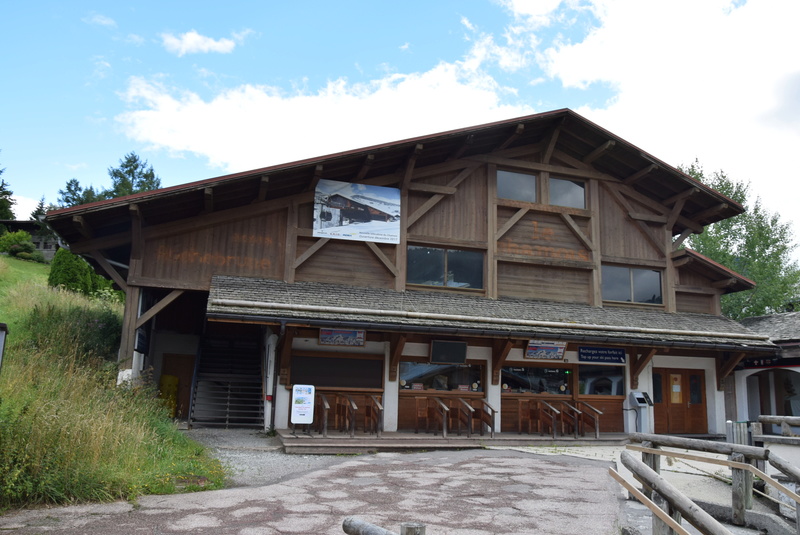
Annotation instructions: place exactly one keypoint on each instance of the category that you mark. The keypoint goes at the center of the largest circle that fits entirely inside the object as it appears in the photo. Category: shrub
(14, 243)
(71, 272)
(35, 256)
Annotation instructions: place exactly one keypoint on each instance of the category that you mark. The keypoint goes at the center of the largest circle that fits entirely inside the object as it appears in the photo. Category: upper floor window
(525, 187)
(570, 193)
(516, 186)
(454, 268)
(631, 285)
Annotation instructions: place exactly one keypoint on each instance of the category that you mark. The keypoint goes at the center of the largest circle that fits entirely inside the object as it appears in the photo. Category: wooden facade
(622, 209)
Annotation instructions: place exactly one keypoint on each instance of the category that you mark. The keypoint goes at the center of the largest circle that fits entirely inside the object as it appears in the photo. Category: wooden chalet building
(536, 264)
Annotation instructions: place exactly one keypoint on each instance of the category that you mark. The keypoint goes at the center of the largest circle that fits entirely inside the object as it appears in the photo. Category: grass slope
(67, 433)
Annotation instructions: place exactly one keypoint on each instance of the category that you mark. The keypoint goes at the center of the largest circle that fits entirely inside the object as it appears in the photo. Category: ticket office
(523, 383)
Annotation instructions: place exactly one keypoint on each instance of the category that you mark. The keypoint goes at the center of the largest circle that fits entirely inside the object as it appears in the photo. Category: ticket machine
(640, 402)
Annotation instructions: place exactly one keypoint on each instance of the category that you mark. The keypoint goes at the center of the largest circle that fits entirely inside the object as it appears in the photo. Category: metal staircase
(227, 383)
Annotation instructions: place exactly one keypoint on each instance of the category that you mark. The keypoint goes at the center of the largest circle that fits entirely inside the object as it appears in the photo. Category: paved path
(473, 492)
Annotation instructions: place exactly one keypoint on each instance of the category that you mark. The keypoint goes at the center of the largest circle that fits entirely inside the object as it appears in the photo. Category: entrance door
(679, 401)
(182, 367)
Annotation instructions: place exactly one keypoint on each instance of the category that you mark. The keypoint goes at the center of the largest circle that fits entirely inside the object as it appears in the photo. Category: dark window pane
(646, 286)
(464, 269)
(516, 186)
(441, 376)
(695, 390)
(567, 193)
(658, 393)
(425, 266)
(536, 380)
(601, 380)
(616, 283)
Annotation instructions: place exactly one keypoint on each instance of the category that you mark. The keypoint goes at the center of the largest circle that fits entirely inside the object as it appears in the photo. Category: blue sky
(202, 89)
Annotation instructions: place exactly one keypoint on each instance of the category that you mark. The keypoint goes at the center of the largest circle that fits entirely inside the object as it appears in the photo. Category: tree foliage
(132, 176)
(6, 199)
(756, 244)
(71, 272)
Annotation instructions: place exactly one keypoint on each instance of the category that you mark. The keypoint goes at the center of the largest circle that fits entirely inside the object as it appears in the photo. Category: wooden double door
(679, 401)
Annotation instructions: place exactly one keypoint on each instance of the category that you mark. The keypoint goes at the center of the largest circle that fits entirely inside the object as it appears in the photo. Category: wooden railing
(346, 410)
(570, 418)
(322, 414)
(741, 461)
(484, 416)
(590, 416)
(373, 420)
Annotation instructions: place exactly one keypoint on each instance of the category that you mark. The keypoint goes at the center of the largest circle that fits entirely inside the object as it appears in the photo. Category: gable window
(570, 193)
(453, 268)
(631, 285)
(516, 186)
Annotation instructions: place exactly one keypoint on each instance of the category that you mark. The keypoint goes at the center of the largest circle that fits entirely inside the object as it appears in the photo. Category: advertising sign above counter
(544, 350)
(608, 355)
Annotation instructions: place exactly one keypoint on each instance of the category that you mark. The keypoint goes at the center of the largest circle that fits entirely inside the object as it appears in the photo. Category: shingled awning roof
(781, 328)
(326, 305)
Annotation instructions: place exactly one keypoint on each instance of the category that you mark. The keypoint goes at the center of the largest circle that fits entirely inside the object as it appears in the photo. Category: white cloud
(192, 42)
(272, 127)
(23, 208)
(100, 20)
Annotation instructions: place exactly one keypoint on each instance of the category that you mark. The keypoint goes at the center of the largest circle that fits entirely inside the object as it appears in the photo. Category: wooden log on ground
(355, 526)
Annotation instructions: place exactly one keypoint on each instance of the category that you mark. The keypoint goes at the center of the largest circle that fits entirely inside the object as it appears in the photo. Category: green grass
(67, 433)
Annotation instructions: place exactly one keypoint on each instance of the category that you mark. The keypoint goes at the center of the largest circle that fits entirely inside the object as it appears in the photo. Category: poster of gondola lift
(357, 212)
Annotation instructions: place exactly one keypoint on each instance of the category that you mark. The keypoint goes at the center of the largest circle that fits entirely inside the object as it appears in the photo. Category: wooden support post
(738, 491)
(659, 526)
(653, 461)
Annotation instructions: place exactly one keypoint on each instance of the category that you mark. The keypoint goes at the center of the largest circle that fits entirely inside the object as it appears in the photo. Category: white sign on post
(302, 404)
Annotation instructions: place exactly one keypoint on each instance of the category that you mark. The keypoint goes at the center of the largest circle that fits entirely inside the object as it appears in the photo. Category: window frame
(542, 189)
(444, 285)
(631, 285)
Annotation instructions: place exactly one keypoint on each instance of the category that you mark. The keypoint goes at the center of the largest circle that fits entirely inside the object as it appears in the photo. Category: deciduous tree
(756, 244)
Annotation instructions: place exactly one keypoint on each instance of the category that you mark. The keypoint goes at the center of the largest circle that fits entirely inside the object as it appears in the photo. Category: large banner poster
(356, 212)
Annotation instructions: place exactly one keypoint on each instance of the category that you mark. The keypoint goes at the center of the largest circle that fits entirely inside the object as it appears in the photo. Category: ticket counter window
(596, 380)
(425, 376)
(537, 380)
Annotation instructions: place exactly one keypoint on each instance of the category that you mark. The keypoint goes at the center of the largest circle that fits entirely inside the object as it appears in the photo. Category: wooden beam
(137, 239)
(685, 194)
(657, 207)
(208, 200)
(724, 283)
(285, 362)
(410, 163)
(309, 252)
(559, 170)
(638, 175)
(677, 242)
(431, 188)
(430, 203)
(675, 213)
(365, 167)
(263, 187)
(650, 218)
(312, 186)
(397, 342)
(128, 337)
(83, 226)
(599, 151)
(576, 230)
(469, 140)
(510, 139)
(682, 261)
(711, 211)
(158, 307)
(638, 364)
(510, 223)
(552, 138)
(500, 351)
(644, 230)
(383, 258)
(111, 270)
(725, 367)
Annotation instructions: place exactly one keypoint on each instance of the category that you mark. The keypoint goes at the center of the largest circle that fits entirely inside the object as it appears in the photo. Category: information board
(302, 404)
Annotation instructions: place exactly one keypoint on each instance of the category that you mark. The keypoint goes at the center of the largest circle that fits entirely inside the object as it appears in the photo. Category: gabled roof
(577, 143)
(781, 328)
(319, 304)
(724, 278)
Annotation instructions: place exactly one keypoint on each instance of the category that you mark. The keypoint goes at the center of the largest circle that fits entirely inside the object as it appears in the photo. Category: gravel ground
(254, 459)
